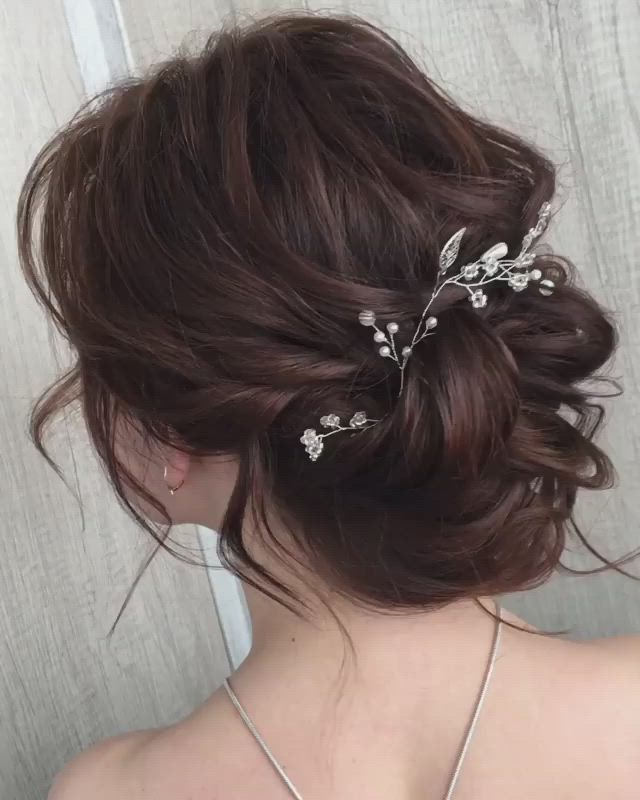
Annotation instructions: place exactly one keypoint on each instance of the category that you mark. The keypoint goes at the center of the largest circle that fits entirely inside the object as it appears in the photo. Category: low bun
(478, 462)
(207, 237)
(462, 394)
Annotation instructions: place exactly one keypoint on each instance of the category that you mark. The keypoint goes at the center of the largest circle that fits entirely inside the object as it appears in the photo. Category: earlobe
(172, 489)
(175, 471)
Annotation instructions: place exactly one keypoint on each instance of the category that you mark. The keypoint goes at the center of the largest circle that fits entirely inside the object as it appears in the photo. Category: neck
(334, 637)
(331, 631)
(344, 672)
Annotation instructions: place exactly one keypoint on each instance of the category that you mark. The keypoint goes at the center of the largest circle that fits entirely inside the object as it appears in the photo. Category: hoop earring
(174, 489)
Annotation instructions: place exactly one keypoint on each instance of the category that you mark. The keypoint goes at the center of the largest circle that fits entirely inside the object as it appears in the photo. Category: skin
(561, 719)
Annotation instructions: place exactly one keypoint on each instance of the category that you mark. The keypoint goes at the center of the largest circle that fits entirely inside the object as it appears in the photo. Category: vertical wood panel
(595, 60)
(66, 568)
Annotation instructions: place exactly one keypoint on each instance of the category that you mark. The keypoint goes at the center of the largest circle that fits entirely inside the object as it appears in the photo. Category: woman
(313, 309)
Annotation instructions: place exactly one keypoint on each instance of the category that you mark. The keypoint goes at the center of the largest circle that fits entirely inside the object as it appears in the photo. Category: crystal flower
(312, 442)
(518, 281)
(330, 421)
(471, 271)
(490, 267)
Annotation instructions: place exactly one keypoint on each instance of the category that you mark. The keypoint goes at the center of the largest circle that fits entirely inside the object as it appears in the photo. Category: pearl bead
(431, 322)
(385, 351)
(367, 318)
(535, 274)
(379, 336)
(546, 287)
(406, 352)
(392, 327)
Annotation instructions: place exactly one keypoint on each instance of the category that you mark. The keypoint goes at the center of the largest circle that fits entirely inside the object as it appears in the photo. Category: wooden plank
(66, 568)
(594, 54)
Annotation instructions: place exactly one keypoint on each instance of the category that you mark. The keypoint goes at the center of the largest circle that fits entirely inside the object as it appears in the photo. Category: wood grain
(564, 74)
(66, 567)
(594, 57)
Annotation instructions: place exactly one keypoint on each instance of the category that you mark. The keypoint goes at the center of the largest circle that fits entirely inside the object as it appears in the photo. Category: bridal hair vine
(491, 267)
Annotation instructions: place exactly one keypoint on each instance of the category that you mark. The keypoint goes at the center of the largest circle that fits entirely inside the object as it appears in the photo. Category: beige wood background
(566, 74)
(65, 571)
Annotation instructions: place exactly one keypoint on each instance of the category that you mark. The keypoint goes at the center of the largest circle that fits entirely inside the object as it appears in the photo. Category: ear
(176, 468)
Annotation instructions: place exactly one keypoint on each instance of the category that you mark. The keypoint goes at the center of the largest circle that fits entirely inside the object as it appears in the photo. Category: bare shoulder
(581, 703)
(607, 702)
(183, 760)
(613, 664)
(618, 662)
(610, 667)
(100, 771)
(625, 649)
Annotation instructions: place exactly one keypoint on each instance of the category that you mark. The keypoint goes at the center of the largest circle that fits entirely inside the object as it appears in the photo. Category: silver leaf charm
(449, 252)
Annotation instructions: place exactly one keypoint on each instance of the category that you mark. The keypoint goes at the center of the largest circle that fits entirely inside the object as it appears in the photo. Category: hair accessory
(491, 267)
(312, 440)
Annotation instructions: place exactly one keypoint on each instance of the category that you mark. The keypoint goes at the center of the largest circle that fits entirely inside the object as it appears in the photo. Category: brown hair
(209, 234)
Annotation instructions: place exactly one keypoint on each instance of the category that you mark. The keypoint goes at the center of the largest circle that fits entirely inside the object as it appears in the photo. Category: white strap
(476, 714)
(254, 731)
(463, 749)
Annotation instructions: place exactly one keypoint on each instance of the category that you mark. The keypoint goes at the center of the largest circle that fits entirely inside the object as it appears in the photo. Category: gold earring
(172, 490)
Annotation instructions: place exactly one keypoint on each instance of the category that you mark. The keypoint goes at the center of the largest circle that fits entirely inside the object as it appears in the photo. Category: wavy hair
(205, 237)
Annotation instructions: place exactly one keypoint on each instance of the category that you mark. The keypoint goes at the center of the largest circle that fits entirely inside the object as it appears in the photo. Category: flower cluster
(517, 281)
(313, 441)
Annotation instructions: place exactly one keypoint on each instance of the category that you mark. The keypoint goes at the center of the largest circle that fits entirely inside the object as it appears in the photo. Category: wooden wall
(565, 74)
(65, 568)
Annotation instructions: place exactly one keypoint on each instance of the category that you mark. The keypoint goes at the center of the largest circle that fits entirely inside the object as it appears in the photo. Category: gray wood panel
(66, 567)
(563, 74)
(594, 55)
(566, 75)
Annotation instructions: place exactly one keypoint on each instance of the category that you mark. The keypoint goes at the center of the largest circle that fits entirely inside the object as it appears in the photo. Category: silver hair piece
(312, 440)
(491, 267)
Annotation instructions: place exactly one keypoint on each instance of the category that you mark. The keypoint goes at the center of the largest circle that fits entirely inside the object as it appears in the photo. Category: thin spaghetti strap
(463, 749)
(263, 745)
(478, 707)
